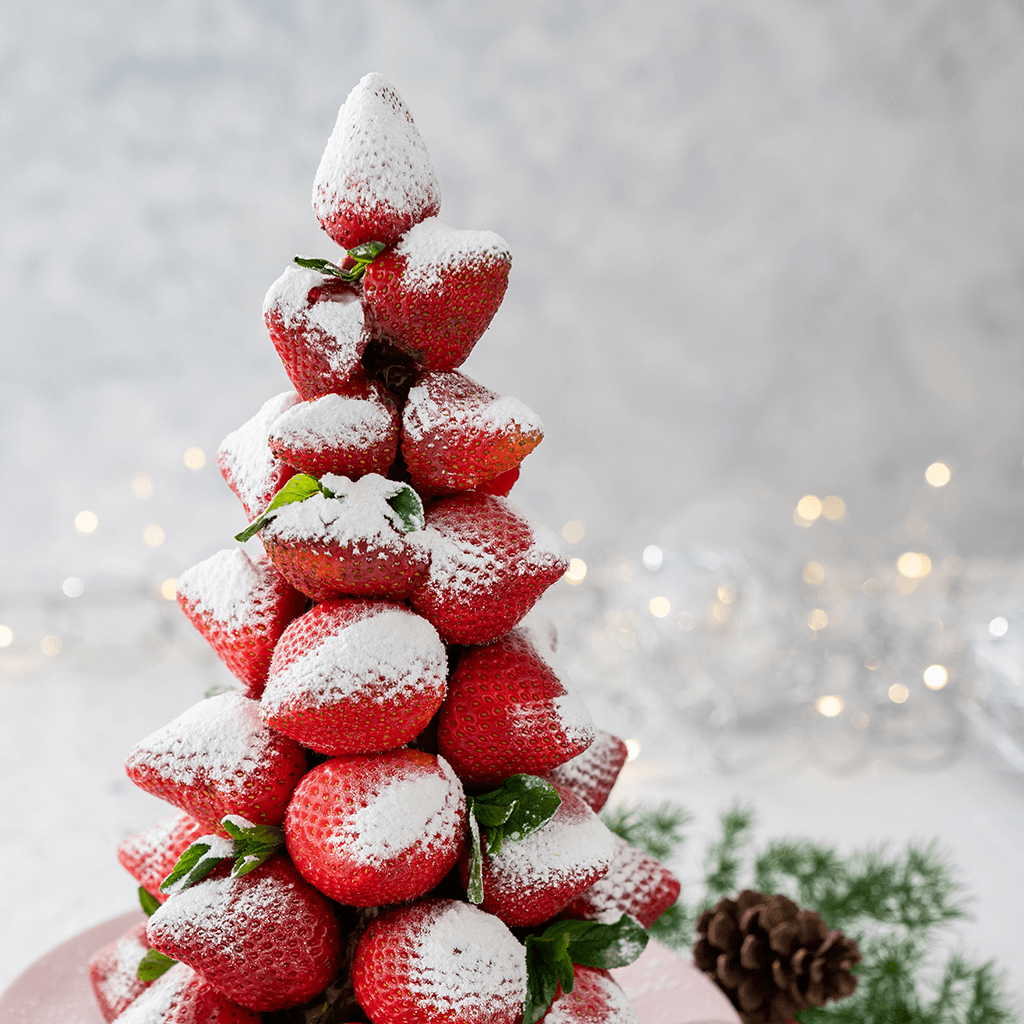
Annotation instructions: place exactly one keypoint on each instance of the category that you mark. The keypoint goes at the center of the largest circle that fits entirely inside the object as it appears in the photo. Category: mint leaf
(298, 488)
(475, 882)
(193, 865)
(406, 502)
(322, 266)
(517, 808)
(253, 844)
(547, 967)
(353, 266)
(148, 902)
(153, 964)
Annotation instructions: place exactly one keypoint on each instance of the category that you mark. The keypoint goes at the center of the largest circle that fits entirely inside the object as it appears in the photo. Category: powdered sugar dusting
(333, 421)
(592, 774)
(155, 1005)
(228, 586)
(467, 962)
(431, 247)
(406, 812)
(375, 156)
(377, 658)
(566, 1009)
(245, 459)
(218, 740)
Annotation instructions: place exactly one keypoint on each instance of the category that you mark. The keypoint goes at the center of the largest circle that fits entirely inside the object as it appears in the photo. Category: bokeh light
(73, 587)
(817, 619)
(576, 572)
(86, 522)
(153, 535)
(936, 677)
(652, 557)
(6, 636)
(659, 607)
(998, 626)
(51, 646)
(169, 588)
(914, 564)
(898, 693)
(194, 458)
(721, 612)
(814, 573)
(727, 594)
(573, 532)
(809, 507)
(937, 474)
(632, 749)
(833, 507)
(830, 705)
(142, 485)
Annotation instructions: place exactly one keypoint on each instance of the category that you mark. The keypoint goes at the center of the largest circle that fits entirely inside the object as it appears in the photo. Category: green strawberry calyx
(353, 266)
(153, 964)
(517, 808)
(249, 846)
(403, 500)
(551, 956)
(149, 903)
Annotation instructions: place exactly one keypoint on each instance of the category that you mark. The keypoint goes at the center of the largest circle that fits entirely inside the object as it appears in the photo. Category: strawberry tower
(393, 818)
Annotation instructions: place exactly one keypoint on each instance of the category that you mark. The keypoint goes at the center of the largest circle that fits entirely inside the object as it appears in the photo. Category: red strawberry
(266, 939)
(113, 972)
(183, 997)
(352, 677)
(500, 485)
(242, 608)
(531, 879)
(246, 462)
(364, 539)
(148, 856)
(440, 962)
(507, 712)
(318, 326)
(347, 436)
(592, 774)
(489, 565)
(375, 179)
(219, 758)
(594, 999)
(457, 434)
(636, 884)
(435, 293)
(377, 828)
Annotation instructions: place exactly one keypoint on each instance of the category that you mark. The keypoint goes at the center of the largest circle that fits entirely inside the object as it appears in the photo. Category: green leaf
(253, 844)
(475, 882)
(592, 944)
(298, 488)
(353, 266)
(193, 866)
(153, 964)
(544, 970)
(517, 808)
(148, 902)
(406, 502)
(321, 266)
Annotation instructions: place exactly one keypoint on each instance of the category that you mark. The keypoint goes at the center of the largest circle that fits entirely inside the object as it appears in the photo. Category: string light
(721, 612)
(936, 677)
(833, 507)
(142, 485)
(632, 749)
(659, 607)
(169, 588)
(817, 619)
(808, 508)
(898, 693)
(937, 474)
(73, 587)
(86, 522)
(998, 626)
(6, 636)
(727, 594)
(576, 572)
(914, 564)
(51, 646)
(573, 532)
(652, 557)
(194, 458)
(830, 705)
(814, 574)
(153, 535)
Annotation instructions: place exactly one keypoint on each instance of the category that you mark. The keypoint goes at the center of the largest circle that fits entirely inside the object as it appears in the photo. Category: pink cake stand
(663, 988)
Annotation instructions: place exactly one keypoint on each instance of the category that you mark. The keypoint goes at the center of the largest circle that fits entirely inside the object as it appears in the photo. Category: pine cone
(773, 959)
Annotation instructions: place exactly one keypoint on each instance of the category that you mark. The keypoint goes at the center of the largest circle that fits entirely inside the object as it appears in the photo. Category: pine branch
(724, 859)
(657, 831)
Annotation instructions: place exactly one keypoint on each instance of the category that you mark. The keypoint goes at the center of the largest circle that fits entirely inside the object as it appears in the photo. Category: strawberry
(347, 436)
(440, 962)
(591, 774)
(527, 881)
(148, 856)
(507, 712)
(457, 435)
(377, 828)
(267, 939)
(435, 293)
(113, 972)
(219, 758)
(636, 884)
(181, 996)
(375, 179)
(489, 565)
(594, 999)
(353, 677)
(242, 608)
(246, 462)
(318, 326)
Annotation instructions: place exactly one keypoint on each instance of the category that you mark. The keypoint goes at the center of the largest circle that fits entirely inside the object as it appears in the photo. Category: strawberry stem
(352, 267)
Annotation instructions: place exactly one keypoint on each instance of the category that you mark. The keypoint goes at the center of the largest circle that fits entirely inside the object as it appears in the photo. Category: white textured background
(760, 250)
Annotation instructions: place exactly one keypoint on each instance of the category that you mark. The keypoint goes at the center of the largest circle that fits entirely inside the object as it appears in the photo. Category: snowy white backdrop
(761, 251)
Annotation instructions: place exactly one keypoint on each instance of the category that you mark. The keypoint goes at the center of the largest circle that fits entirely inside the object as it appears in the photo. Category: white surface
(759, 251)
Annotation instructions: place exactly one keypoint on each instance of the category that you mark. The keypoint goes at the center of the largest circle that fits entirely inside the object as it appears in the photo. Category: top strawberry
(375, 179)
